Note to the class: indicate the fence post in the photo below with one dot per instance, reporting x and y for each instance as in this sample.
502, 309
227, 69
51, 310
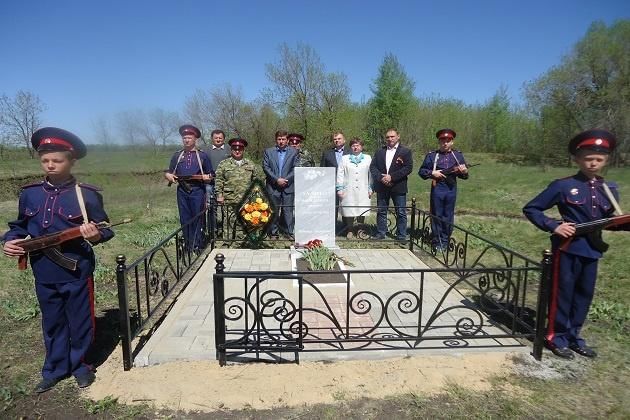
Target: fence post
412, 231
541, 310
219, 308
123, 312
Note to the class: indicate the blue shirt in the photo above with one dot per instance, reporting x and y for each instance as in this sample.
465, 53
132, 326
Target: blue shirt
282, 153
45, 208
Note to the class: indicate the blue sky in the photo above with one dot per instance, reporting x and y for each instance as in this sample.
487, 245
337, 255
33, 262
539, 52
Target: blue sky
92, 59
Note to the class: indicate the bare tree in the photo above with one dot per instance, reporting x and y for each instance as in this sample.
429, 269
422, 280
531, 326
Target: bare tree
227, 108
163, 126
103, 132
129, 124
20, 117
220, 107
297, 79
197, 112
305, 93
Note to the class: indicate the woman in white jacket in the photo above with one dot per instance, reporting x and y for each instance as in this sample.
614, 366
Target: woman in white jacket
354, 185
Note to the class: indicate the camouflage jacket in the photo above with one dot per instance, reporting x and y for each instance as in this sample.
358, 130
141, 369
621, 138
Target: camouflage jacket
233, 180
305, 158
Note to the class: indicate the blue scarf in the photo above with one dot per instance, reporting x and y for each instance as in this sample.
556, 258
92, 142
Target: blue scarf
356, 159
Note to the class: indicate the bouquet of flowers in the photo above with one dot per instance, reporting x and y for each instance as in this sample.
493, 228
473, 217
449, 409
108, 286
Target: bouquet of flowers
318, 256
256, 212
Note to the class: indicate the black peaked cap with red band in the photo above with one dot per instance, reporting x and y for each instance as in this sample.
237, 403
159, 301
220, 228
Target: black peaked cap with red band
295, 138
189, 129
238, 142
446, 132
52, 139
600, 141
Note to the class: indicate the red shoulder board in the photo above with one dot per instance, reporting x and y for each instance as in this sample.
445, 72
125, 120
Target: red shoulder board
33, 184
90, 187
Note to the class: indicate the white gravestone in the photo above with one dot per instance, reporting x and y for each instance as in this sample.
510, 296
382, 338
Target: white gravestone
315, 205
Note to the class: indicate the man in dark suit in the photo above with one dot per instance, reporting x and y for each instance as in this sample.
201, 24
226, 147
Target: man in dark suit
332, 157
390, 168
278, 165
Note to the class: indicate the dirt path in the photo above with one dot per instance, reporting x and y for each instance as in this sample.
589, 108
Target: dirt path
204, 386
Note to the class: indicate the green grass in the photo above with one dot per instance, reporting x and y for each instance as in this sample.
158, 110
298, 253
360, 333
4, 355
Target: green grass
489, 203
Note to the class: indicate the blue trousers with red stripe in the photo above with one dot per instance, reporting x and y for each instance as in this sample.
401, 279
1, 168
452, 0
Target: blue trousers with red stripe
189, 205
443, 197
67, 326
572, 289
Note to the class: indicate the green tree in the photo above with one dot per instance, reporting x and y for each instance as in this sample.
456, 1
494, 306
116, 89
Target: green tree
590, 88
393, 102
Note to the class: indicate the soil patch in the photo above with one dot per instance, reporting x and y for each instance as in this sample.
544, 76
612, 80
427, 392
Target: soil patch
204, 386
322, 277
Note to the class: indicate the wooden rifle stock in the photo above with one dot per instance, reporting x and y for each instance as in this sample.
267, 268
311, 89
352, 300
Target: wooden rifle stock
54, 239
184, 179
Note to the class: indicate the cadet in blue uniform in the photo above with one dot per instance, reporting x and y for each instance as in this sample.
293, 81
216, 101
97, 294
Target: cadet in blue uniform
443, 167
65, 295
580, 198
191, 195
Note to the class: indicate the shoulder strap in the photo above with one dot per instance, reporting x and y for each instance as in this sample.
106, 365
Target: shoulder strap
199, 162
611, 197
179, 159
435, 158
81, 203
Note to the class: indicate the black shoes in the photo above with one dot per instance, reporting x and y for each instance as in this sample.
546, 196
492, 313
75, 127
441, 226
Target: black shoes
562, 352
46, 385
583, 351
85, 380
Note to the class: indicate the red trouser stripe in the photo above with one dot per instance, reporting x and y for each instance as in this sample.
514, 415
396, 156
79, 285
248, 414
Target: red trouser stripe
553, 298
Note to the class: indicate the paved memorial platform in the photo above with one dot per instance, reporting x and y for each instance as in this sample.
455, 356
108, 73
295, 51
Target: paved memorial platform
187, 333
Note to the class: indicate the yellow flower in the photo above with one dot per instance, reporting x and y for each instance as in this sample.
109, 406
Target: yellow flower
264, 206
264, 219
259, 200
256, 214
247, 217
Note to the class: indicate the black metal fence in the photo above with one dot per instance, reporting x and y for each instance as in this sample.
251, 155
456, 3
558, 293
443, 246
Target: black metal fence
147, 286
488, 285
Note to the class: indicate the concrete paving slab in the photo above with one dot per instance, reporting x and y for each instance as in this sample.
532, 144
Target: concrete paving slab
187, 333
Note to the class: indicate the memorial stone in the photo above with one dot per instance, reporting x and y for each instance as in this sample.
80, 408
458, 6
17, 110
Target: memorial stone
315, 205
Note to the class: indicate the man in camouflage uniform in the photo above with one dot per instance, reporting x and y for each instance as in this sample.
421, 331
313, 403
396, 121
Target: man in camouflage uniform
235, 175
304, 156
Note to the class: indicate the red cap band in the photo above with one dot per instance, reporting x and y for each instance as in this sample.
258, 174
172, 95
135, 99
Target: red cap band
57, 142
594, 142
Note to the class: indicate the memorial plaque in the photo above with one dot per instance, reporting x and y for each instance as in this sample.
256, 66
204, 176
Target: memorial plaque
315, 205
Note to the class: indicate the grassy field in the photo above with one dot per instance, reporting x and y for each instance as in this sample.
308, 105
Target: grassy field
489, 203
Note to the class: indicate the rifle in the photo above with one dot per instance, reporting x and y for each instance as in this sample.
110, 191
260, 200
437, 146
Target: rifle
49, 245
185, 180
593, 231
450, 171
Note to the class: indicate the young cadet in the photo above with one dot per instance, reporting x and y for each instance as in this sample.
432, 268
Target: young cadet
583, 197
191, 194
65, 295
443, 167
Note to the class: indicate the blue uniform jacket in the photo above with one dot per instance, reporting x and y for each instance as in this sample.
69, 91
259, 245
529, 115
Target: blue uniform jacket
578, 200
189, 165
445, 161
45, 208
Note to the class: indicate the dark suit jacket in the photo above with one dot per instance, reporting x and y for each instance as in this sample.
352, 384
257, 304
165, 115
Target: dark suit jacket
329, 160
273, 171
401, 167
